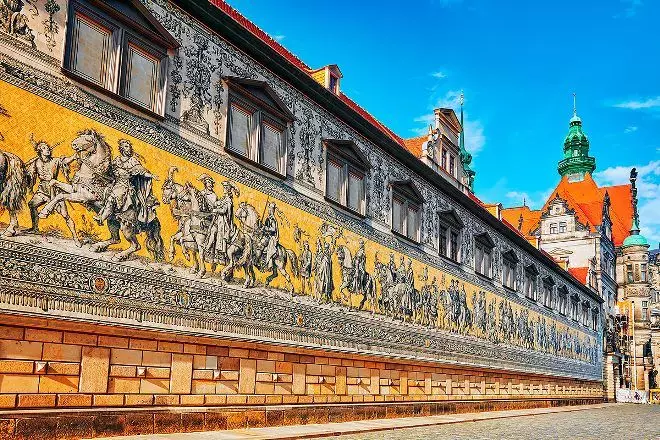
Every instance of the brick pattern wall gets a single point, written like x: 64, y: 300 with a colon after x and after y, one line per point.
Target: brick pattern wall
x: 76, y: 365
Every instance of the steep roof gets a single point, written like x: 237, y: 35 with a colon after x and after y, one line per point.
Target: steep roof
x: 414, y: 145
x: 580, y: 273
x: 586, y: 199
x: 530, y: 218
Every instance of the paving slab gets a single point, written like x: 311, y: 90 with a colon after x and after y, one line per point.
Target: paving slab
x: 345, y: 428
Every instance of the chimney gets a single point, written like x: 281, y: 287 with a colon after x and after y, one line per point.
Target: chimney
x: 436, y: 114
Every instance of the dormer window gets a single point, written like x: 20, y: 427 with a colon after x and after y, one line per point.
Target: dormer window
x: 450, y: 235
x: 257, y: 124
x: 345, y: 175
x: 120, y: 49
x: 452, y: 165
x: 406, y: 209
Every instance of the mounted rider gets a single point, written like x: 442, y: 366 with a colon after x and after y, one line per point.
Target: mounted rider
x: 131, y: 195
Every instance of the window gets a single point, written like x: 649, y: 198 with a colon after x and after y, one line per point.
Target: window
x: 529, y: 287
x: 452, y: 165
x: 643, y: 272
x: 594, y: 320
x: 119, y: 48
x: 345, y: 175
x: 406, y: 210
x: 483, y: 254
x: 509, y: 264
x: 443, y: 159
x: 334, y: 82
x: 575, y: 303
x: 629, y: 273
x: 562, y: 305
x: 562, y: 227
x: 547, y: 294
x: 585, y: 314
x: 257, y: 124
x: 450, y: 233
x: 553, y: 228
x: 645, y: 310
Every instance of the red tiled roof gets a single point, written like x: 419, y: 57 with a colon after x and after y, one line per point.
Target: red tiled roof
x: 530, y: 218
x: 414, y: 145
x: 289, y: 56
x: 586, y: 198
x: 580, y: 273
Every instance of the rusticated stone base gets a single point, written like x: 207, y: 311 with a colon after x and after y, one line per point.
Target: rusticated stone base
x: 84, y: 380
x: 72, y: 424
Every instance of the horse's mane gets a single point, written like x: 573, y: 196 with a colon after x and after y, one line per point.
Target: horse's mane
x: 98, y: 137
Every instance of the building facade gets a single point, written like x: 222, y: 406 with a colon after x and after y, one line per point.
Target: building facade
x: 196, y: 218
x: 593, y: 232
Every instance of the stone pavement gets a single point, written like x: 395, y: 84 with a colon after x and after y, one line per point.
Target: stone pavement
x: 365, y: 426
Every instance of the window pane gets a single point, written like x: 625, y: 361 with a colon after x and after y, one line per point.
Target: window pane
x: 413, y: 224
x: 271, y: 147
x: 334, y: 181
x: 443, y: 240
x: 486, y: 268
x: 356, y: 192
x: 90, y: 49
x: 478, y: 257
x: 240, y: 130
x: 141, y: 76
x: 397, y: 219
x: 453, y: 245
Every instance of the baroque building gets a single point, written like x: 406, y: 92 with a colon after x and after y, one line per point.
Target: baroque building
x: 196, y: 219
x: 593, y: 233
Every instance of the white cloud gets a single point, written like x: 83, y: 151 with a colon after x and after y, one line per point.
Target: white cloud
x: 439, y: 75
x: 648, y: 103
x: 279, y: 38
x: 475, y: 139
x: 535, y: 200
x: 648, y: 192
x: 631, y: 129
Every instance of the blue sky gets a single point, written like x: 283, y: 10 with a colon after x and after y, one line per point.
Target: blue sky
x: 518, y: 63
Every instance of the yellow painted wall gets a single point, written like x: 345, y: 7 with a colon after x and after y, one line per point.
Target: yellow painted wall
x: 32, y: 115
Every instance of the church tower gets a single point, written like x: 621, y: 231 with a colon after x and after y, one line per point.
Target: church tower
x: 576, y: 162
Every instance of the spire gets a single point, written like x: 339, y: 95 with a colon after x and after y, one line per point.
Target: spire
x: 576, y: 162
x: 635, y: 238
x: 466, y: 157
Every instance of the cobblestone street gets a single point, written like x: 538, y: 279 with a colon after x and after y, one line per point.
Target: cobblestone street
x: 624, y: 421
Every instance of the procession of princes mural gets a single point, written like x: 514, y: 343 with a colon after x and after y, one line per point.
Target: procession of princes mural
x: 121, y: 206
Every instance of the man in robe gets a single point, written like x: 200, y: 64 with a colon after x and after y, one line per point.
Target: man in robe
x: 306, y: 267
x: 323, y: 273
x: 223, y: 227
x: 270, y: 235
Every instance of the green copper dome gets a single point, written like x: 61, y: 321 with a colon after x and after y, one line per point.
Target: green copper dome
x: 635, y: 240
x: 576, y: 159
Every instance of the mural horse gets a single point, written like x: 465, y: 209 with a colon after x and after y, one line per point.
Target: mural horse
x: 351, y: 285
x: 246, y: 249
x: 91, y: 185
x: 193, y: 215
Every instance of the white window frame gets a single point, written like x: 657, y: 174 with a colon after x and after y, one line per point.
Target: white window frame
x: 530, y: 282
x: 347, y: 167
x: 483, y: 256
x: 509, y: 267
x: 115, y: 68
x: 406, y: 206
x: 260, y: 117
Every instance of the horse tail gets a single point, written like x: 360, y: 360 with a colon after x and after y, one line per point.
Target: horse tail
x: 14, y: 185
x: 294, y: 262
x: 154, y: 241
